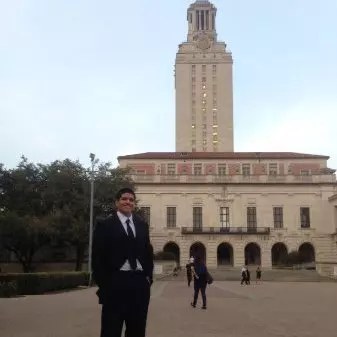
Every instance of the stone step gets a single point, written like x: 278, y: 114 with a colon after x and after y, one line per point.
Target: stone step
x: 273, y: 275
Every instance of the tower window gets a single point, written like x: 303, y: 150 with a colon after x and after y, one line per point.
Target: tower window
x: 202, y: 20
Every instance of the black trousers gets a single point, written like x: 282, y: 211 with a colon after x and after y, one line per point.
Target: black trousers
x: 189, y: 279
x: 129, y: 304
x: 202, y: 289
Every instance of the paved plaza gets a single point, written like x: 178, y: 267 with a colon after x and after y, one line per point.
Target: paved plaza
x: 266, y: 310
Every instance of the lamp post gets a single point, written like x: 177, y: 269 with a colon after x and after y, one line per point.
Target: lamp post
x: 93, y: 162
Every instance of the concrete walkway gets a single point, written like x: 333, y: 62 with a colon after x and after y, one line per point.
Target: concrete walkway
x: 266, y: 310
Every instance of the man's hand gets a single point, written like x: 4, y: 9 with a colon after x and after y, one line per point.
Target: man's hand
x: 149, y: 280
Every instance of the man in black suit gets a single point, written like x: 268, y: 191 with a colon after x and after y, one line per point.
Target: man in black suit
x: 122, y: 264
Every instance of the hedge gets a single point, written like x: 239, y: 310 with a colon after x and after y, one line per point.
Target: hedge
x: 39, y: 283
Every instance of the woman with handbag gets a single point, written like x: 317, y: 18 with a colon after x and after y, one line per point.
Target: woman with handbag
x: 201, y: 278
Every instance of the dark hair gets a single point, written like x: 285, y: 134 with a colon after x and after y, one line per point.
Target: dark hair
x: 125, y: 190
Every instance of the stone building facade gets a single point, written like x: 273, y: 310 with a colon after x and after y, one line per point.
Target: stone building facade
x: 238, y: 208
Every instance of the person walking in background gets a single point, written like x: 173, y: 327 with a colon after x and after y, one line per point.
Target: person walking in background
x: 189, y: 270
x: 247, y: 275
x: 243, y: 275
x: 258, y: 274
x: 199, y: 272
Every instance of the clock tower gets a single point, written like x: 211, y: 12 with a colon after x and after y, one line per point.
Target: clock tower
x: 204, y: 88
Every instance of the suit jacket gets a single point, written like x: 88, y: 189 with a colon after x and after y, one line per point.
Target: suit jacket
x: 110, y: 251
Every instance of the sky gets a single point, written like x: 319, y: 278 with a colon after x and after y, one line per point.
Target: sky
x: 86, y: 76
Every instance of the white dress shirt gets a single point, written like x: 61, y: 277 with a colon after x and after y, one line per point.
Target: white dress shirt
x: 126, y: 266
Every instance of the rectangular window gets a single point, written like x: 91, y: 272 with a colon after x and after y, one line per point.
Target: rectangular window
x: 203, y: 68
x: 197, y: 217
x: 171, y: 217
x: 171, y: 169
x: 222, y: 169
x: 304, y: 172
x: 224, y: 216
x: 251, y: 217
x: 278, y: 217
x: 273, y: 169
x: 197, y: 169
x: 246, y: 169
x: 146, y: 214
x: 305, y: 217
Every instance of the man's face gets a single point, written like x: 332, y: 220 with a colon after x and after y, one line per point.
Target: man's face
x: 126, y: 203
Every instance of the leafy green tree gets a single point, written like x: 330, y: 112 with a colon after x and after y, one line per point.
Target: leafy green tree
x: 44, y: 204
x: 23, y: 216
x: 68, y: 196
x: 24, y: 236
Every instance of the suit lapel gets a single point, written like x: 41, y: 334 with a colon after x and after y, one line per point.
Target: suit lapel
x: 118, y: 226
x: 138, y: 227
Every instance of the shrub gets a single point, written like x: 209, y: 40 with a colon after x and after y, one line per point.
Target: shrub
x: 39, y: 283
x: 8, y: 289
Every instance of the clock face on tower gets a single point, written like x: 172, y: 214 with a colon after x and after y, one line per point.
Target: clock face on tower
x: 203, y: 42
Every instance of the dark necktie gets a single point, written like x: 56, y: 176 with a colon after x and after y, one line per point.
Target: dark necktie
x: 132, y: 246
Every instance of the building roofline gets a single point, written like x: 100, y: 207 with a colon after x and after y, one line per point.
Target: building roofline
x: 222, y: 155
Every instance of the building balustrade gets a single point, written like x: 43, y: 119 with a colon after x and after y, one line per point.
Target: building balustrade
x: 234, y: 179
x: 225, y: 230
